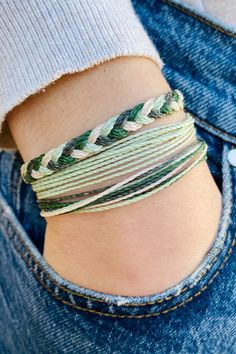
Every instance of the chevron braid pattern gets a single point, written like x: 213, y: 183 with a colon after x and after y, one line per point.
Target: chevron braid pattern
x: 93, y: 141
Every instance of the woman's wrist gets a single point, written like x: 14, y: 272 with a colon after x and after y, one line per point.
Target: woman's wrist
x: 83, y: 100
x: 120, y: 250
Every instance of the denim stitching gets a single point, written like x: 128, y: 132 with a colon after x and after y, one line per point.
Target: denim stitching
x: 167, y: 298
x: 38, y: 266
x: 199, y: 18
x: 217, y: 130
x: 136, y: 316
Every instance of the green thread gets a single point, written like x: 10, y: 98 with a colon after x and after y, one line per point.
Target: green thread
x: 147, y: 178
x: 143, y: 149
x: 168, y: 135
x: 93, y: 141
x: 135, y: 198
x: 149, y: 160
x: 110, y: 162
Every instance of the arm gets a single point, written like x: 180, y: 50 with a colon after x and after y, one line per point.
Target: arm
x: 138, y: 249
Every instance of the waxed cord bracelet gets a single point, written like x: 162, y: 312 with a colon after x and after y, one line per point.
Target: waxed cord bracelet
x: 113, y: 149
x: 56, y: 204
x: 94, y: 140
x: 163, y: 141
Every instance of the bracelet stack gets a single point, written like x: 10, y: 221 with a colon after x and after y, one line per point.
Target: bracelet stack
x: 124, y: 164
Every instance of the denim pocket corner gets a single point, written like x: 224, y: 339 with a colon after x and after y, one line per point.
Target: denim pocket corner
x: 87, y: 300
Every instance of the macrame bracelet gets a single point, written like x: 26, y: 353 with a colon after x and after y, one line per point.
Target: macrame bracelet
x: 156, y: 149
x: 93, y: 141
x: 153, y: 182
x: 159, y: 141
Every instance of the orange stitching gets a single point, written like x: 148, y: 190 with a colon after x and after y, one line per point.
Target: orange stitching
x: 135, y: 316
x: 198, y: 293
x: 200, y: 18
x: 103, y: 301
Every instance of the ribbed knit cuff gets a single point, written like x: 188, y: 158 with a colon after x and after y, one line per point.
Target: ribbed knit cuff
x: 41, y: 40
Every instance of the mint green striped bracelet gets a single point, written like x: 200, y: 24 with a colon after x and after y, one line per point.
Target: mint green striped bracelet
x: 157, y: 144
x: 140, y: 145
x: 50, y: 205
x: 87, y: 205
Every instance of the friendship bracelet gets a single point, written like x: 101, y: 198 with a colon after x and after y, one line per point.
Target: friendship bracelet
x: 119, y: 149
x: 149, y: 160
x: 93, y: 141
x: 142, y: 150
x: 155, y: 185
x: 160, y: 141
x: 146, y: 178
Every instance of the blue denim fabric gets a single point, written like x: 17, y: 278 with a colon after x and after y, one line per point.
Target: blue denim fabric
x: 40, y: 312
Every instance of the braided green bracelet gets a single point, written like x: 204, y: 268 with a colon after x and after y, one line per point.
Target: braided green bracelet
x: 163, y: 153
x: 159, y: 141
x: 156, y: 146
x: 94, y: 141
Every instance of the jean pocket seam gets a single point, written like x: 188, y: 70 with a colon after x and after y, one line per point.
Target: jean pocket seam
x: 200, y: 18
x: 61, y: 287
x: 213, y: 130
x: 40, y: 273
x: 162, y: 312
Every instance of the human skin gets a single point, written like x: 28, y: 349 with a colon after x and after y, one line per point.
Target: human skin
x: 134, y: 250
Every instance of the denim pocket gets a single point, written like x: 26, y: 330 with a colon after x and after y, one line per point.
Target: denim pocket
x: 28, y: 262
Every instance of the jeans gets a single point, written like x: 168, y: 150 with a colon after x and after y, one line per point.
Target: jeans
x: 42, y: 313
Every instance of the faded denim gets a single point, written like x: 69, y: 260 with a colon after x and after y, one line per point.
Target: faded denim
x: 42, y: 313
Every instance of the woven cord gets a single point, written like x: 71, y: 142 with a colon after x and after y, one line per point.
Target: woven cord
x: 155, y: 150
x: 146, y: 179
x: 88, y: 172
x: 93, y: 141
x: 168, y: 176
x: 149, y: 160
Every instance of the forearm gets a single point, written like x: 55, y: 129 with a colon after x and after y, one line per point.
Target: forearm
x: 42, y: 40
x: 119, y: 250
x: 81, y: 101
